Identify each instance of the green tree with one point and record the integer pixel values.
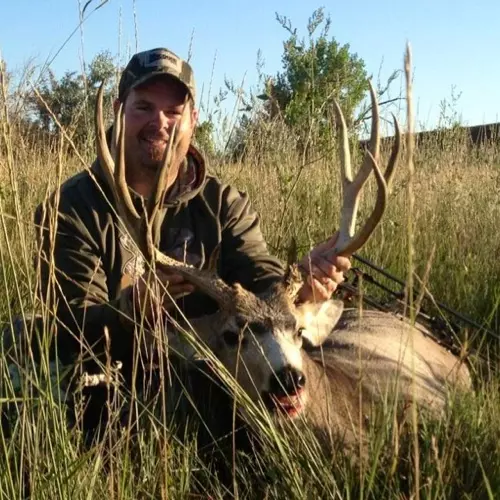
(71, 99)
(315, 69)
(203, 137)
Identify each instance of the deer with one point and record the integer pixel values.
(319, 362)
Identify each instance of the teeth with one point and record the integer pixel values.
(159, 139)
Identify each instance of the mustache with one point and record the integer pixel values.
(157, 135)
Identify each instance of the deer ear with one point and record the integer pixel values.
(319, 319)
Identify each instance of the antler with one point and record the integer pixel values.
(348, 242)
(144, 228)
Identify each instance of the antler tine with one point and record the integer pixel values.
(103, 153)
(115, 177)
(347, 243)
(116, 130)
(345, 153)
(120, 178)
(362, 237)
(383, 184)
(154, 218)
(373, 145)
(374, 148)
(159, 189)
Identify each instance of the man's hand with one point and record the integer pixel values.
(157, 295)
(324, 270)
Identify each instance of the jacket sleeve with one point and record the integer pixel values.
(245, 256)
(73, 288)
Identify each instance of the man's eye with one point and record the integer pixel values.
(300, 332)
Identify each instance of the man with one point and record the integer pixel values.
(89, 272)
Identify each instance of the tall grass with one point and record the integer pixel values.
(455, 218)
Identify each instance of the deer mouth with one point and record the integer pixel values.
(291, 405)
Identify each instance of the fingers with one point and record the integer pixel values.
(176, 287)
(175, 283)
(322, 290)
(162, 291)
(169, 278)
(316, 291)
(327, 267)
(324, 270)
(342, 264)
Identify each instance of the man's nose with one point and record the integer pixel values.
(163, 120)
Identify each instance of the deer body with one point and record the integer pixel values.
(377, 359)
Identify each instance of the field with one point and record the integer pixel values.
(454, 237)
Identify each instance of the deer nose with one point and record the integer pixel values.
(287, 381)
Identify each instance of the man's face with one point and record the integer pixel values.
(151, 110)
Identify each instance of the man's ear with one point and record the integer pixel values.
(318, 319)
(194, 116)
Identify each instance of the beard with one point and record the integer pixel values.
(145, 152)
(151, 149)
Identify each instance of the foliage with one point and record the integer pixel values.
(68, 102)
(203, 138)
(315, 70)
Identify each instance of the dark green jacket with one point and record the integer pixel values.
(93, 264)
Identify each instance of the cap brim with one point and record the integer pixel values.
(153, 74)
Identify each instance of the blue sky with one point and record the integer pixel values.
(454, 43)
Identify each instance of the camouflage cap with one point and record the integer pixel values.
(149, 63)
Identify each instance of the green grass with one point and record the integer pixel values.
(456, 213)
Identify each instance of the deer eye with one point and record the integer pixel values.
(231, 338)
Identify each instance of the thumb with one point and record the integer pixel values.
(330, 243)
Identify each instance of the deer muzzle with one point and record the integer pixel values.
(287, 392)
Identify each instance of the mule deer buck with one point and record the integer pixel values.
(308, 360)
